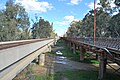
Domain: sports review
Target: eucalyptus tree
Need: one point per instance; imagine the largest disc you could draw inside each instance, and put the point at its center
(107, 24)
(8, 18)
(114, 26)
(14, 22)
(23, 23)
(117, 3)
(102, 23)
(42, 29)
(88, 23)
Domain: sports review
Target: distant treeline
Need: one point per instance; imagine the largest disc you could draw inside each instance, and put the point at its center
(107, 22)
(15, 24)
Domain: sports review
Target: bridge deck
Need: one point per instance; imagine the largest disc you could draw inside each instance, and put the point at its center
(16, 55)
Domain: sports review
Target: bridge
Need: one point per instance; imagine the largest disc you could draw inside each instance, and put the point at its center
(16, 55)
(106, 49)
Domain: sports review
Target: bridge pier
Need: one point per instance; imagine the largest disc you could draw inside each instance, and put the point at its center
(55, 41)
(49, 48)
(102, 65)
(70, 45)
(41, 59)
(82, 52)
(74, 49)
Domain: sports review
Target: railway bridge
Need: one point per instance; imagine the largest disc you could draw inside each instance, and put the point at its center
(16, 55)
(106, 49)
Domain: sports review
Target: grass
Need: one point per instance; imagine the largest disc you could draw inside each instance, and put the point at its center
(76, 75)
(83, 75)
(91, 61)
(44, 77)
(40, 77)
(75, 57)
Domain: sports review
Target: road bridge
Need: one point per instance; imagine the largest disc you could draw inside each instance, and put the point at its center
(105, 48)
(16, 55)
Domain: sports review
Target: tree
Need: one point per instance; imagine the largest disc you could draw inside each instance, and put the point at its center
(14, 22)
(23, 23)
(88, 23)
(117, 3)
(42, 29)
(114, 26)
(102, 23)
(106, 24)
(106, 6)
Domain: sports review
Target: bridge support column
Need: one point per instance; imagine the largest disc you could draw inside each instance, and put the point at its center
(49, 49)
(54, 42)
(96, 56)
(41, 59)
(82, 51)
(70, 46)
(102, 65)
(74, 49)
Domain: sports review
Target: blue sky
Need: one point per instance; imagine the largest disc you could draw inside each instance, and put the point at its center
(60, 12)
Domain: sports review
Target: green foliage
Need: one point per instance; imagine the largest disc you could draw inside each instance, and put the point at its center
(74, 29)
(42, 29)
(83, 75)
(14, 22)
(117, 3)
(114, 28)
(107, 24)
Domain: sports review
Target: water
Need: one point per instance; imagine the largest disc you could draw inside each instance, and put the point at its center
(60, 59)
(59, 53)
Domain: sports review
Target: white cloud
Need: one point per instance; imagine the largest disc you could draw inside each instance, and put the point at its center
(62, 26)
(34, 5)
(62, 0)
(115, 13)
(66, 20)
(91, 5)
(72, 2)
(61, 30)
(75, 2)
(2, 6)
(69, 18)
(112, 4)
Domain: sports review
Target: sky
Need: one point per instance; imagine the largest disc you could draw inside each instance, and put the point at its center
(60, 12)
